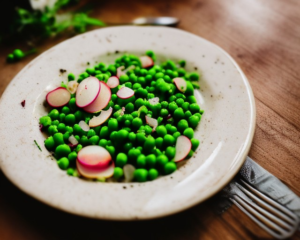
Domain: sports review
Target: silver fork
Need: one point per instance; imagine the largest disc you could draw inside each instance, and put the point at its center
(275, 219)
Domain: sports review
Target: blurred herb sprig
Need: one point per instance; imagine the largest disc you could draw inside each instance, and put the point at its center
(34, 25)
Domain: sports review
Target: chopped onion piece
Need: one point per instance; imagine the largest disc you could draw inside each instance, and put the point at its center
(120, 71)
(72, 86)
(84, 126)
(128, 172)
(73, 140)
(152, 122)
(154, 101)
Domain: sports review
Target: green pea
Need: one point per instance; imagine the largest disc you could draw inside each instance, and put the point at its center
(102, 143)
(62, 117)
(45, 121)
(65, 110)
(49, 143)
(158, 75)
(173, 106)
(190, 154)
(150, 95)
(169, 140)
(117, 107)
(61, 127)
(72, 156)
(148, 129)
(52, 129)
(77, 138)
(62, 150)
(71, 77)
(143, 72)
(170, 152)
(54, 114)
(152, 174)
(137, 122)
(195, 143)
(72, 105)
(162, 160)
(140, 175)
(141, 138)
(122, 135)
(78, 148)
(132, 137)
(141, 93)
(182, 125)
(172, 130)
(118, 173)
(127, 146)
(113, 136)
(70, 171)
(111, 150)
(152, 72)
(191, 99)
(94, 140)
(189, 88)
(176, 135)
(151, 160)
(121, 159)
(194, 76)
(185, 106)
(170, 167)
(164, 112)
(63, 163)
(133, 154)
(193, 121)
(77, 129)
(179, 102)
(149, 144)
(91, 133)
(55, 122)
(66, 136)
(189, 132)
(139, 102)
(194, 108)
(58, 138)
(84, 140)
(112, 124)
(141, 161)
(172, 98)
(129, 108)
(201, 111)
(187, 114)
(133, 77)
(69, 129)
(159, 142)
(178, 114)
(70, 119)
(124, 78)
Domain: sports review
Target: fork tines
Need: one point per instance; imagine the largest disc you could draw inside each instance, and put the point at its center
(274, 218)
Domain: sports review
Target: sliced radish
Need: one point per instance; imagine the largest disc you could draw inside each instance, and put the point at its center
(103, 116)
(128, 172)
(183, 147)
(120, 71)
(101, 101)
(125, 93)
(72, 86)
(94, 162)
(87, 91)
(180, 84)
(154, 101)
(146, 61)
(58, 97)
(84, 126)
(152, 122)
(113, 82)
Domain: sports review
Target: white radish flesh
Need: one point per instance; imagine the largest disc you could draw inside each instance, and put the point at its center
(72, 86)
(120, 71)
(58, 97)
(113, 82)
(125, 93)
(180, 84)
(146, 61)
(101, 101)
(152, 122)
(154, 101)
(183, 147)
(87, 91)
(84, 126)
(73, 140)
(128, 170)
(104, 115)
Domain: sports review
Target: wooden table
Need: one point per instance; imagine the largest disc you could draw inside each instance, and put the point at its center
(264, 38)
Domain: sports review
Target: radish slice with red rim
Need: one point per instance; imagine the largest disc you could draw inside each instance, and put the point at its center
(146, 61)
(180, 84)
(125, 93)
(183, 147)
(87, 91)
(103, 116)
(113, 82)
(58, 97)
(101, 101)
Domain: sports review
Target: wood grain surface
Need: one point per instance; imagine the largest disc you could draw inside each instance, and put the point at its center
(263, 36)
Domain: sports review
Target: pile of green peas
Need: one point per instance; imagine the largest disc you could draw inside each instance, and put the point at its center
(127, 137)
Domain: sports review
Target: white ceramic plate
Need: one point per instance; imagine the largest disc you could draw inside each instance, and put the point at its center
(226, 129)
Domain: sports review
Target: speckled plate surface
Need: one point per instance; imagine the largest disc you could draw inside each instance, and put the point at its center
(225, 132)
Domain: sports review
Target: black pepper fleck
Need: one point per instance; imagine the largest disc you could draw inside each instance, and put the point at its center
(62, 70)
(124, 187)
